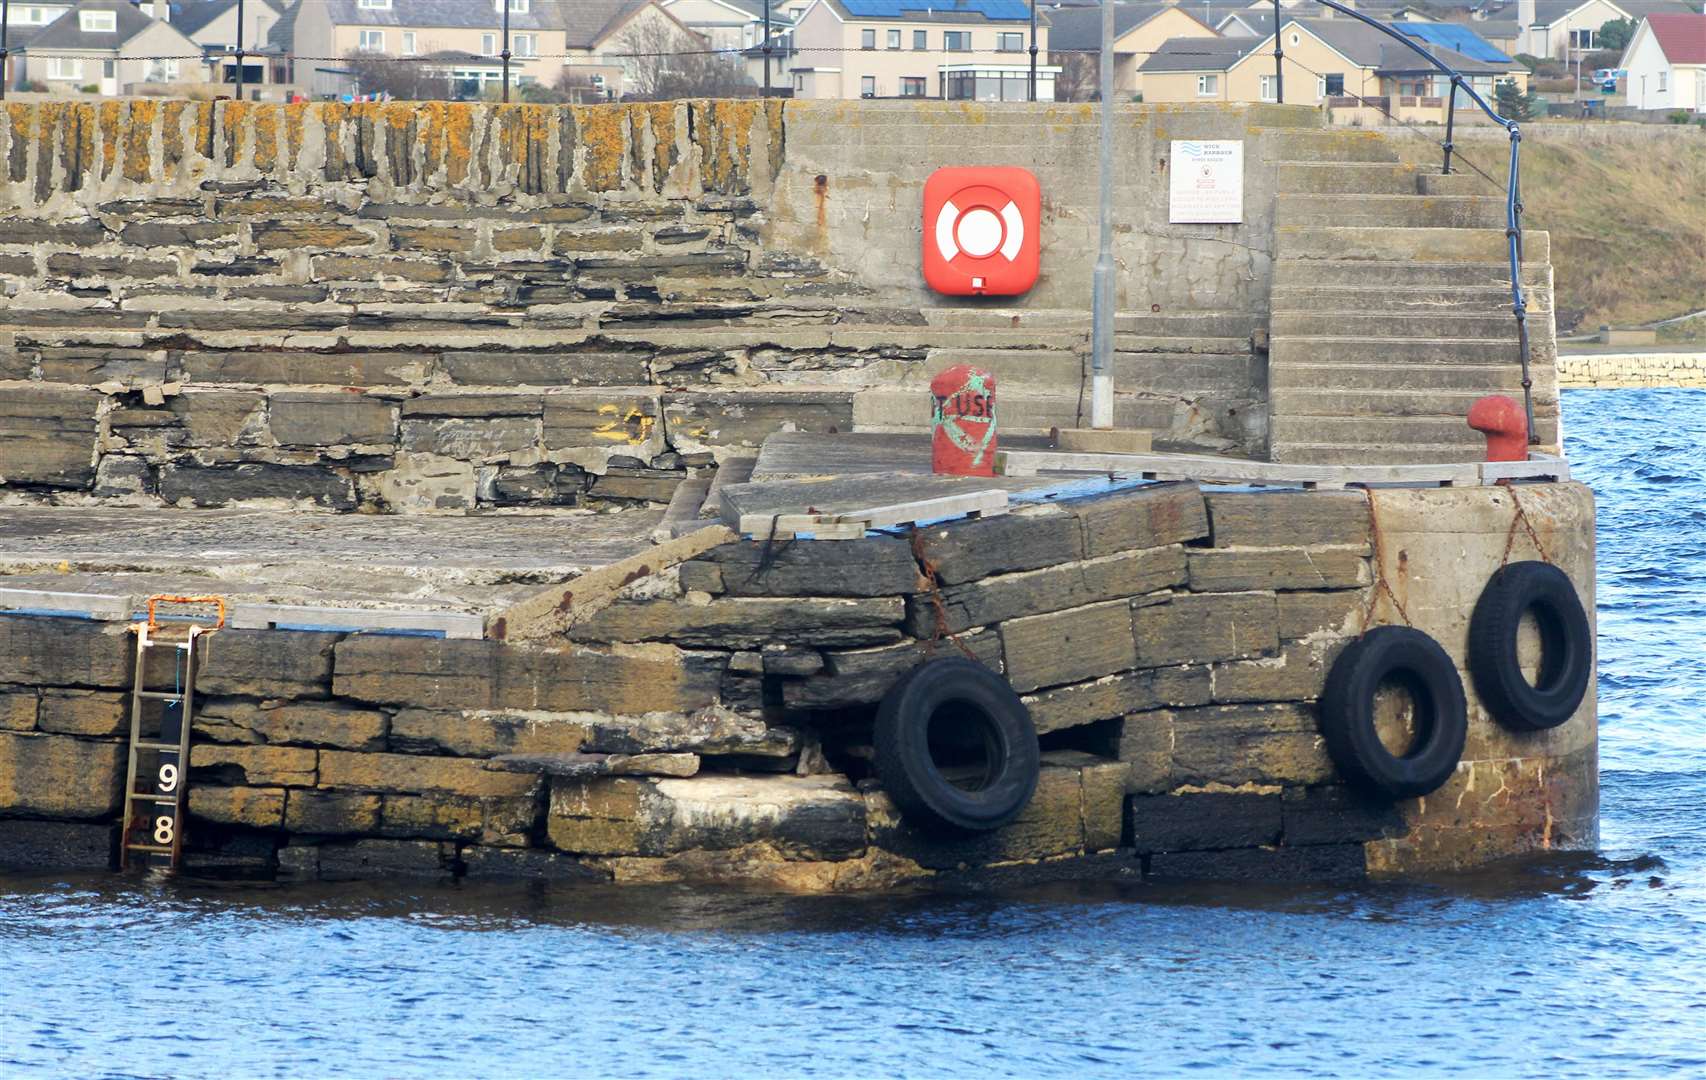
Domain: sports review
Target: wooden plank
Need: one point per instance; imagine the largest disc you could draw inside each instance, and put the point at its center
(1537, 467)
(1233, 470)
(791, 526)
(101, 606)
(682, 514)
(287, 616)
(734, 470)
(553, 610)
(970, 504)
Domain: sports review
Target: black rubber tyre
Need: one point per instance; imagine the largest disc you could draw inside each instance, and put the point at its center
(955, 747)
(1566, 647)
(1413, 658)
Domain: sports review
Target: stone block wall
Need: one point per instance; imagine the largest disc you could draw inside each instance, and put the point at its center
(712, 723)
(420, 307)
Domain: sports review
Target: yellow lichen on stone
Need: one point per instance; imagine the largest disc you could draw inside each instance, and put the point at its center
(332, 116)
(80, 126)
(138, 167)
(663, 133)
(295, 114)
(171, 136)
(23, 119)
(459, 141)
(432, 114)
(266, 137)
(111, 115)
(730, 138)
(204, 129)
(603, 133)
(774, 115)
(231, 120)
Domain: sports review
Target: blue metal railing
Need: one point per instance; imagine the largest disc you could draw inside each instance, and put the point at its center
(1513, 187)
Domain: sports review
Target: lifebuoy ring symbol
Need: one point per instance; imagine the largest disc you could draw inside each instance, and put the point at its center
(979, 232)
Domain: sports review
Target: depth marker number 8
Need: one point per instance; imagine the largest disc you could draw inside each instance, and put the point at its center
(163, 831)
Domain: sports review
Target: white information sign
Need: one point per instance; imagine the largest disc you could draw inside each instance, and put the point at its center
(1208, 181)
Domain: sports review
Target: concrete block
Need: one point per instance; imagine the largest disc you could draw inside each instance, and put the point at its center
(1208, 627)
(1151, 516)
(1249, 744)
(267, 663)
(1337, 815)
(18, 709)
(220, 485)
(1297, 673)
(254, 766)
(47, 436)
(1302, 614)
(1203, 821)
(874, 566)
(749, 622)
(862, 676)
(419, 731)
(300, 723)
(1051, 825)
(251, 807)
(329, 813)
(1290, 519)
(36, 651)
(84, 712)
(1145, 744)
(1008, 596)
(1116, 695)
(1280, 568)
(299, 418)
(414, 774)
(1068, 646)
(965, 551)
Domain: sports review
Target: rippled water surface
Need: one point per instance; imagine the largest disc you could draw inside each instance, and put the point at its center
(1578, 967)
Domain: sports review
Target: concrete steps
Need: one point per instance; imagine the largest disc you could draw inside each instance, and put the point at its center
(1409, 352)
(1348, 178)
(1323, 145)
(1481, 378)
(1403, 243)
(1458, 183)
(1405, 300)
(1366, 326)
(1446, 405)
(1304, 439)
(1386, 210)
(1377, 274)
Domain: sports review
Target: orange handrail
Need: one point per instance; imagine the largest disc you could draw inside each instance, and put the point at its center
(218, 603)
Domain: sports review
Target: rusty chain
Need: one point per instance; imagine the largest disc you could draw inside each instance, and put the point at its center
(938, 604)
(1521, 518)
(1380, 583)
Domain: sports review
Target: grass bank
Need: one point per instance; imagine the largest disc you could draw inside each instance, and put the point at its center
(1627, 218)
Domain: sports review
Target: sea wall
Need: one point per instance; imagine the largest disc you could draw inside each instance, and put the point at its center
(1611, 370)
(712, 720)
(418, 307)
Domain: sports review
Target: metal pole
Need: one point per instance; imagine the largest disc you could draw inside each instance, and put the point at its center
(505, 53)
(1279, 59)
(1033, 6)
(1102, 302)
(1450, 121)
(766, 48)
(5, 54)
(239, 50)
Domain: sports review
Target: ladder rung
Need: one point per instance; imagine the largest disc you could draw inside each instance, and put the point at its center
(159, 695)
(158, 746)
(172, 798)
(148, 847)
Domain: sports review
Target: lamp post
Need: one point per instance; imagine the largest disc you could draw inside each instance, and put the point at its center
(1279, 59)
(505, 53)
(1102, 280)
(239, 50)
(766, 48)
(1033, 7)
(5, 54)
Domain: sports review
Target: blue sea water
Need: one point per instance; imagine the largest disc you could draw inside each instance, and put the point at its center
(1570, 967)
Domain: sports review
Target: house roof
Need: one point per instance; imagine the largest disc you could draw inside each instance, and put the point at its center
(755, 8)
(1080, 29)
(1682, 38)
(282, 36)
(996, 11)
(66, 32)
(1494, 28)
(1202, 54)
(461, 14)
(1458, 38)
(1547, 12)
(191, 15)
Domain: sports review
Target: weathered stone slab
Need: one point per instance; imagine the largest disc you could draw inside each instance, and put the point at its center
(18, 710)
(586, 766)
(1116, 695)
(1151, 516)
(267, 663)
(1203, 821)
(1330, 862)
(1290, 518)
(1068, 646)
(283, 367)
(1146, 744)
(84, 712)
(254, 766)
(220, 418)
(463, 734)
(1238, 744)
(1222, 570)
(63, 652)
(1337, 815)
(474, 439)
(714, 730)
(292, 723)
(801, 817)
(621, 421)
(490, 675)
(378, 859)
(1022, 540)
(874, 566)
(331, 813)
(862, 676)
(308, 419)
(219, 485)
(483, 863)
(749, 622)
(414, 774)
(507, 821)
(56, 845)
(1199, 629)
(252, 807)
(47, 436)
(1009, 596)
(59, 776)
(469, 367)
(1302, 614)
(748, 417)
(1296, 674)
(651, 485)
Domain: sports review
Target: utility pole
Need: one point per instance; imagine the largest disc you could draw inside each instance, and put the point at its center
(1102, 281)
(505, 53)
(5, 54)
(766, 48)
(1033, 7)
(1279, 60)
(239, 50)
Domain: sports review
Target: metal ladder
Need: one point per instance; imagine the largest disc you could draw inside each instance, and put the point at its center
(154, 819)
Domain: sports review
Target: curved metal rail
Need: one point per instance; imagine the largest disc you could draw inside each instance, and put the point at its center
(1513, 187)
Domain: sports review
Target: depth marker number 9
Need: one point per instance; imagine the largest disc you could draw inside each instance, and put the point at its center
(168, 778)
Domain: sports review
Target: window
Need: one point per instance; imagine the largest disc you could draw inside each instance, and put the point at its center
(920, 40)
(1584, 39)
(1320, 89)
(1662, 74)
(410, 48)
(525, 44)
(64, 67)
(799, 84)
(956, 40)
(894, 39)
(796, 12)
(1010, 42)
(999, 84)
(912, 87)
(1208, 85)
(1269, 89)
(488, 44)
(375, 5)
(867, 39)
(372, 41)
(98, 22)
(519, 7)
(1334, 85)
(868, 86)
(160, 71)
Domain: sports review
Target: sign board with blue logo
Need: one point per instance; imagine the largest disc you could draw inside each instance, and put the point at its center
(1207, 182)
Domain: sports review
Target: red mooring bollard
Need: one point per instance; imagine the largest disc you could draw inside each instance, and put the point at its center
(963, 422)
(1502, 420)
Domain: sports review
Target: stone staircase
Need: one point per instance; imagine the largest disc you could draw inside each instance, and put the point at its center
(1391, 308)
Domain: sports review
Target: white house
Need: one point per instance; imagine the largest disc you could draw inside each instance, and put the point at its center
(1666, 61)
(1566, 29)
